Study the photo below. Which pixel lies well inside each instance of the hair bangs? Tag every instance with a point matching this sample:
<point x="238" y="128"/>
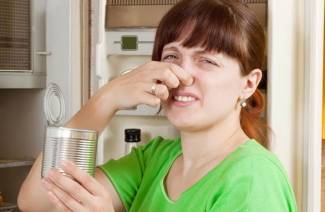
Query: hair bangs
<point x="212" y="27"/>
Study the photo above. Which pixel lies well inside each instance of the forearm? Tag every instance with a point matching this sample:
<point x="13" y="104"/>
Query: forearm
<point x="32" y="195"/>
<point x="96" y="113"/>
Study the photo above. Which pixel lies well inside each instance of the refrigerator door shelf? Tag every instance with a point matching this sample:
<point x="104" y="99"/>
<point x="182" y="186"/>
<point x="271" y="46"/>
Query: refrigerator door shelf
<point x="142" y="110"/>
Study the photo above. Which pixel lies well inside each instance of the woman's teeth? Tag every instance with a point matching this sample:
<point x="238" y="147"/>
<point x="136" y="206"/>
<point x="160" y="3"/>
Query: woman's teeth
<point x="184" y="98"/>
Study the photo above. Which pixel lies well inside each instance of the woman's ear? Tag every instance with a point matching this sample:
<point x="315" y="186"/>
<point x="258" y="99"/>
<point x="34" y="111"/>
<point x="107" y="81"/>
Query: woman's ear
<point x="250" y="83"/>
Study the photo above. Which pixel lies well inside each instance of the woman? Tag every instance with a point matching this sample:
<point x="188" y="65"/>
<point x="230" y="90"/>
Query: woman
<point x="206" y="67"/>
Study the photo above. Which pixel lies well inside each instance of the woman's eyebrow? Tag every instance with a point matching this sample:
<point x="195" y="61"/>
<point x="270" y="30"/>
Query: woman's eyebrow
<point x="170" y="48"/>
<point x="198" y="52"/>
<point x="204" y="52"/>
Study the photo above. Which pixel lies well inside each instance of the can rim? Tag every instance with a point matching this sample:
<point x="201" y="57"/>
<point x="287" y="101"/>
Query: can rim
<point x="71" y="133"/>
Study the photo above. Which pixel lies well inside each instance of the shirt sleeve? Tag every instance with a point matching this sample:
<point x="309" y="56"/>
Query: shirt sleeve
<point x="262" y="186"/>
<point x="126" y="173"/>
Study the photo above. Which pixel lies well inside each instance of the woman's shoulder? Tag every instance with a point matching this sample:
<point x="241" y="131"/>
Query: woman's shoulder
<point x="255" y="178"/>
<point x="252" y="159"/>
<point x="255" y="153"/>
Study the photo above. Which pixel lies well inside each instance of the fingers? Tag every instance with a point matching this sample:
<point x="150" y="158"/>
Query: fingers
<point x="184" y="76"/>
<point x="160" y="90"/>
<point x="150" y="100"/>
<point x="167" y="77"/>
<point x="87" y="181"/>
<point x="173" y="75"/>
<point x="61" y="199"/>
<point x="58" y="204"/>
<point x="70" y="187"/>
<point x="135" y="87"/>
<point x="82" y="193"/>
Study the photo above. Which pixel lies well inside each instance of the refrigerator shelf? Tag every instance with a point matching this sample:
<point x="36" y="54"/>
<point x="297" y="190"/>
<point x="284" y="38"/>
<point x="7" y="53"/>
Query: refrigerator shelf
<point x="15" y="163"/>
<point x="7" y="207"/>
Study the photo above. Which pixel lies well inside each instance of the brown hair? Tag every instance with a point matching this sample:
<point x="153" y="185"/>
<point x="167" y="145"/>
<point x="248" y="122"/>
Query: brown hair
<point x="226" y="26"/>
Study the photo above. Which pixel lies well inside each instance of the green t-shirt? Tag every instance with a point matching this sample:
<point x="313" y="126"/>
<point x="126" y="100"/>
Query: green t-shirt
<point x="249" y="179"/>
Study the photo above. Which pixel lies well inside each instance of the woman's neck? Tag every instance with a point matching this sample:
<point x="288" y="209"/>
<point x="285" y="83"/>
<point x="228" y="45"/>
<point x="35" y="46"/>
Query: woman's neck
<point x="201" y="147"/>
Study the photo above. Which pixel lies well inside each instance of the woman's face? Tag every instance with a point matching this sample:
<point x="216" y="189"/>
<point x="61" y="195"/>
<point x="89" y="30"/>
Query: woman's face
<point x="214" y="94"/>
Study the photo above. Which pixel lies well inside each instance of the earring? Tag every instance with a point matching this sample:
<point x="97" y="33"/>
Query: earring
<point x="243" y="103"/>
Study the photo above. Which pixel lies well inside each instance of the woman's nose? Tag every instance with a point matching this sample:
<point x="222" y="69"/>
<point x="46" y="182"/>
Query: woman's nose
<point x="189" y="67"/>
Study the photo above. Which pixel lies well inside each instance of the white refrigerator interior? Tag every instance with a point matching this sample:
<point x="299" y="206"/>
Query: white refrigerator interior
<point x="125" y="50"/>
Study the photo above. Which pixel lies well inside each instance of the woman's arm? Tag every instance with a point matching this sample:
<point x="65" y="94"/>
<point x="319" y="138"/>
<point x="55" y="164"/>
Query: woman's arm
<point x="106" y="183"/>
<point x="126" y="91"/>
<point x="33" y="196"/>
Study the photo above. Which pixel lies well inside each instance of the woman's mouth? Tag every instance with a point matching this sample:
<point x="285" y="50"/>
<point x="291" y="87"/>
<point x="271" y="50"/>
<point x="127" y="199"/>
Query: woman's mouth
<point x="183" y="100"/>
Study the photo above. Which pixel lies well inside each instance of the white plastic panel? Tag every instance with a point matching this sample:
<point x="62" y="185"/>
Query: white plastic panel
<point x="120" y="60"/>
<point x="117" y="64"/>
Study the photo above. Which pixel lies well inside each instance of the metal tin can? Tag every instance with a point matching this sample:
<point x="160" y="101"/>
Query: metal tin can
<point x="76" y="145"/>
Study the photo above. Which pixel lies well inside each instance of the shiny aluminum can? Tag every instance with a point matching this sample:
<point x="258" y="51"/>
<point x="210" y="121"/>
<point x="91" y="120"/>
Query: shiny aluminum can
<point x="76" y="145"/>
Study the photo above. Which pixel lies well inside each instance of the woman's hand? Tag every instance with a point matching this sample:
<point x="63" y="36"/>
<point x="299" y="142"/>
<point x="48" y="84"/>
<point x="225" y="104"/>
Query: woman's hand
<point x="82" y="194"/>
<point x="147" y="84"/>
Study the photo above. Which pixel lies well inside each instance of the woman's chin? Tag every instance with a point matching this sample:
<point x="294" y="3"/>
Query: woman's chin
<point x="181" y="122"/>
<point x="182" y="118"/>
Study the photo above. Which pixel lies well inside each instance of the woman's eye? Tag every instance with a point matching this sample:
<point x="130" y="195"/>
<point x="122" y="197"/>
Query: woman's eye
<point x="169" y="57"/>
<point x="210" y="62"/>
